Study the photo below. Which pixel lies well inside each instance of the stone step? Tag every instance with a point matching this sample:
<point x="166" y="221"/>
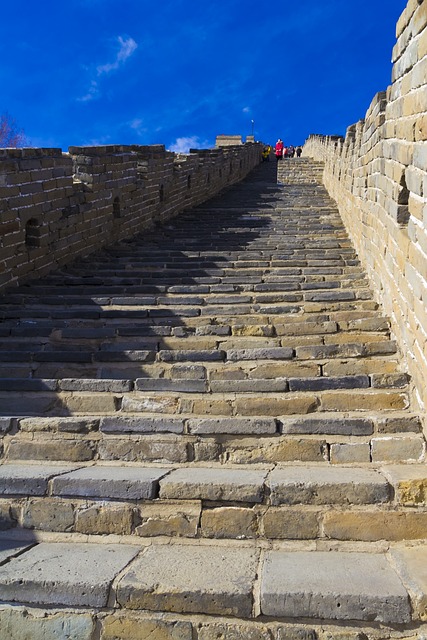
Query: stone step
<point x="275" y="503"/>
<point x="275" y="587"/>
<point x="77" y="402"/>
<point x="206" y="423"/>
<point x="387" y="437"/>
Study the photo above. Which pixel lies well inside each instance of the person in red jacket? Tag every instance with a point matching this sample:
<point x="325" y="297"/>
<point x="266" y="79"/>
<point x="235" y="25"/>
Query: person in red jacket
<point x="278" y="149"/>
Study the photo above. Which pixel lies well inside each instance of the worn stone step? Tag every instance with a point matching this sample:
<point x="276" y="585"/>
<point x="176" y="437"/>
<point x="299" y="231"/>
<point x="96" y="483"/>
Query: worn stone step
<point x="363" y="588"/>
<point x="287" y="503"/>
<point x="80" y="402"/>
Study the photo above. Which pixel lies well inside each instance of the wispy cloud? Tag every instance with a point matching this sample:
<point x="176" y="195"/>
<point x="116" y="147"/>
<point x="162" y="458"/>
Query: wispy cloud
<point x="183" y="145"/>
<point x="127" y="46"/>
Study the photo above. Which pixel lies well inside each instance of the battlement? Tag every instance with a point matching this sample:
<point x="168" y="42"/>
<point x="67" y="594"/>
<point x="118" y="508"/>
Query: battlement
<point x="378" y="176"/>
<point x="55" y="206"/>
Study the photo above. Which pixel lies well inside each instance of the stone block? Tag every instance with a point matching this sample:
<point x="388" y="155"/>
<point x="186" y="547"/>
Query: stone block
<point x="163" y="449"/>
<point x="48" y="515"/>
<point x="275" y="450"/>
<point x="168" y="518"/>
<point x="229" y="522"/>
<point x="17" y="623"/>
<point x="409" y="483"/>
<point x="64" y="574"/>
<point x="291" y="524"/>
<point x="126" y="483"/>
<point x="300" y="633"/>
<point x="411" y="566"/>
<point x="191" y="579"/>
<point x="124" y="627"/>
<point x="327" y="424"/>
<point x="149" y="404"/>
<point x="348" y="452"/>
<point x="374" y="525"/>
<point x="30" y="480"/>
<point x="52" y="449"/>
<point x="141" y="424"/>
<point x="230" y="631"/>
<point x="361" y="587"/>
<point x="273" y="353"/>
<point x="255" y="426"/>
<point x="216" y="483"/>
<point x="291" y="405"/>
<point x="395" y="449"/>
<point x="368" y="401"/>
<point x="326" y="485"/>
<point x="105" y="518"/>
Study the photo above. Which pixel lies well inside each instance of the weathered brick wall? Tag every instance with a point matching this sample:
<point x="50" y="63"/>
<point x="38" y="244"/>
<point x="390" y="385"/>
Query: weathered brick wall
<point x="378" y="176"/>
<point x="56" y="206"/>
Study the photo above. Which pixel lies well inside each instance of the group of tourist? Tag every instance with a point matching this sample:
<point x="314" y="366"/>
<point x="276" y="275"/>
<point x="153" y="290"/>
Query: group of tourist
<point x="283" y="151"/>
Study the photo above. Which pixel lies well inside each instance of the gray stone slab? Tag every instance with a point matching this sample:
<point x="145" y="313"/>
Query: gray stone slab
<point x="243" y="426"/>
<point x="162" y="384"/>
<point x="335" y="586"/>
<point x="9" y="548"/>
<point x="110" y="386"/>
<point x="29" y="479"/>
<point x="274" y="353"/>
<point x="64" y="574"/>
<point x="327" y="485"/>
<point x="130" y="483"/>
<point x="327" y="425"/>
<point x="190" y="579"/>
<point x="142" y="425"/>
<point x="253" y="385"/>
<point x="230" y="485"/>
<point x="324" y="383"/>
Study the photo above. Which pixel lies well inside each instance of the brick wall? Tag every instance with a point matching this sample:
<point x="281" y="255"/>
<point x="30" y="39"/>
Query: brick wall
<point x="378" y="176"/>
<point x="56" y="206"/>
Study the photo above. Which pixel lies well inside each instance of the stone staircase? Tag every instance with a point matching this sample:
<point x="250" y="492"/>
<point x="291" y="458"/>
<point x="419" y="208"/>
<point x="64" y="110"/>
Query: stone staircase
<point x="207" y="433"/>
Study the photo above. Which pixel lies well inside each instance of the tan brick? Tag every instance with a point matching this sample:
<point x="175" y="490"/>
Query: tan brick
<point x="213" y="407"/>
<point x="230" y="631"/>
<point x="49" y="514"/>
<point x="351" y="401"/>
<point x="169" y="518"/>
<point x="285" y="370"/>
<point x="22" y="624"/>
<point x="370" y="525"/>
<point x="356" y="367"/>
<point x="229" y="522"/>
<point x="252" y="330"/>
<point x="276" y="406"/>
<point x="410" y="484"/>
<point x="90" y="404"/>
<point x="290" y="524"/>
<point x="105" y="518"/>
<point x="120" y="627"/>
<point x="274" y="450"/>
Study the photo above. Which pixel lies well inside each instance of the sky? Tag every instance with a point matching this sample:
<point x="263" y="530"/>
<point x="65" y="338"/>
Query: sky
<point x="180" y="72"/>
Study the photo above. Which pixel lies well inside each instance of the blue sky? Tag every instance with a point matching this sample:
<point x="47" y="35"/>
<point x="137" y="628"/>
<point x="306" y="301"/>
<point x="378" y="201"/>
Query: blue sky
<point x="179" y="72"/>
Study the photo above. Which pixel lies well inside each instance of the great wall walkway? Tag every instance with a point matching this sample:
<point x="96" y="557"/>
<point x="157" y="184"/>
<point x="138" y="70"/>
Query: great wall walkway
<point x="208" y="434"/>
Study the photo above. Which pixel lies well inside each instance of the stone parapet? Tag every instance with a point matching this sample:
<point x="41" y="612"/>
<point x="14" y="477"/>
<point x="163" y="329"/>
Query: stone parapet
<point x="55" y="207"/>
<point x="378" y="176"/>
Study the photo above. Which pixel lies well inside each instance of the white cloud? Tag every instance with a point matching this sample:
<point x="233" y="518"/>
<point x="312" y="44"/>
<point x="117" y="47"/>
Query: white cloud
<point x="92" y="93"/>
<point x="127" y="48"/>
<point x="183" y="145"/>
<point x="246" y="110"/>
